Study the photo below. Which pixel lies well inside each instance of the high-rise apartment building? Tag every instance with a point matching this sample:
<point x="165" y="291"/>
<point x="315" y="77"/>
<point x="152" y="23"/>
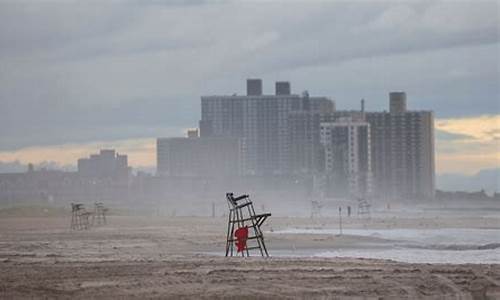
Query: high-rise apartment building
<point x="402" y="151"/>
<point x="262" y="120"/>
<point x="282" y="135"/>
<point x="306" y="151"/>
<point x="401" y="154"/>
<point x="347" y="157"/>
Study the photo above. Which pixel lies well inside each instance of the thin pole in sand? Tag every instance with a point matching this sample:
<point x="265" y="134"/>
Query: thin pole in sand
<point x="340" y="220"/>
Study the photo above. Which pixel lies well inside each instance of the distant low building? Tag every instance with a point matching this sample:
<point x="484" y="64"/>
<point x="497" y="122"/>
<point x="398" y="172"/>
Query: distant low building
<point x="106" y="164"/>
<point x="200" y="156"/>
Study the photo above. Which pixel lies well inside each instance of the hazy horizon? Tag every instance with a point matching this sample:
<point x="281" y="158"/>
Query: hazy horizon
<point x="78" y="77"/>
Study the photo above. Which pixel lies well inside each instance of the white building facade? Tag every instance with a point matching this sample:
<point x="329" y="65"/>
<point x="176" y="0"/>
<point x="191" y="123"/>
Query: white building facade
<point x="347" y="157"/>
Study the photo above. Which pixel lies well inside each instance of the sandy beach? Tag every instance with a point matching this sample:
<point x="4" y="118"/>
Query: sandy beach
<point x="182" y="257"/>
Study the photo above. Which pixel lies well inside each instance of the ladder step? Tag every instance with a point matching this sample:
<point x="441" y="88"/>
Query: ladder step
<point x="243" y="220"/>
<point x="252" y="248"/>
<point x="250" y="238"/>
<point x="259" y="218"/>
<point x="250" y="225"/>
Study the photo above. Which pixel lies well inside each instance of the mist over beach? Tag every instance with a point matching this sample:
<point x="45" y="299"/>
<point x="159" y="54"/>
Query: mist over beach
<point x="255" y="150"/>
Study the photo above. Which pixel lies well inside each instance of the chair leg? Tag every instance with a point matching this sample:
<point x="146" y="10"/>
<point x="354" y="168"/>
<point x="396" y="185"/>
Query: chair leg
<point x="241" y="224"/>
<point x="239" y="218"/>
<point x="264" y="246"/>
<point x="228" y="232"/>
<point x="231" y="236"/>
<point x="256" y="228"/>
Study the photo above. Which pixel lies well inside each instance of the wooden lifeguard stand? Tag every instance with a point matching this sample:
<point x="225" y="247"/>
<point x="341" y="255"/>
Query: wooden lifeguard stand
<point x="363" y="207"/>
<point x="242" y="215"/>
<point x="99" y="214"/>
<point x="316" y="207"/>
<point x="79" y="217"/>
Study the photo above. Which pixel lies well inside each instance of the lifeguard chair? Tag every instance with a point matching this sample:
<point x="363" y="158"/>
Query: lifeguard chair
<point x="99" y="215"/>
<point x="244" y="226"/>
<point x="79" y="217"/>
<point x="363" y="207"/>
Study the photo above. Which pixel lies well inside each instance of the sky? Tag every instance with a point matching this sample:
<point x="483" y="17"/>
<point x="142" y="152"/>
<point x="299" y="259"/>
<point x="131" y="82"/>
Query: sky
<point x="77" y="76"/>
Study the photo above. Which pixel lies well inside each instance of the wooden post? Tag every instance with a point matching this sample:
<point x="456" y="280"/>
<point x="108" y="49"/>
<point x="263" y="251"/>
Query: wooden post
<point x="340" y="220"/>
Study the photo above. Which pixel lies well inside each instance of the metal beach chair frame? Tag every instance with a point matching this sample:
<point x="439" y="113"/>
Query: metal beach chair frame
<point x="242" y="214"/>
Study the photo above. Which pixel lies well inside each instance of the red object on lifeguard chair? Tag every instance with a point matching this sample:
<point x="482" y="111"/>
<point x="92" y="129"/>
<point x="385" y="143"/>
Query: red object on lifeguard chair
<point x="241" y="235"/>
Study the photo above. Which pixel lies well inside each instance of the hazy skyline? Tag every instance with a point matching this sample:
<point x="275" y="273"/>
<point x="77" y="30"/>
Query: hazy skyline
<point x="79" y="76"/>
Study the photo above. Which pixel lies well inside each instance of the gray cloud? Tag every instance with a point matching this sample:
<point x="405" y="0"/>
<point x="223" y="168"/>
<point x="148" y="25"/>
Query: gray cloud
<point x="77" y="71"/>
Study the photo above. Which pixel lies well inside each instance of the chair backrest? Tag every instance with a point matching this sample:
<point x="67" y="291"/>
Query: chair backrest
<point x="233" y="202"/>
<point x="76" y="206"/>
<point x="230" y="199"/>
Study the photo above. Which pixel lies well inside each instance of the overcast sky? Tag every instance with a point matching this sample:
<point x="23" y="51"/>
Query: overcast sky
<point x="80" y="73"/>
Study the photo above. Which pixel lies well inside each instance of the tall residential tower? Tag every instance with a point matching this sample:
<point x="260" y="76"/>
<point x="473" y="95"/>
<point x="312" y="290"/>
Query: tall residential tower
<point x="402" y="151"/>
<point x="261" y="120"/>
